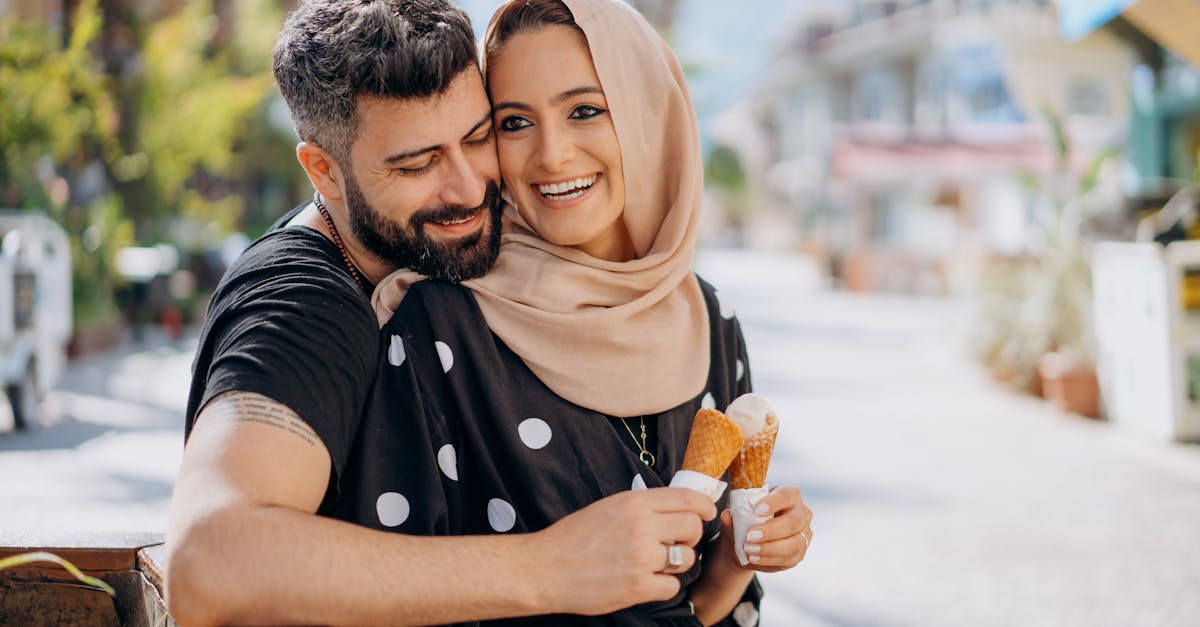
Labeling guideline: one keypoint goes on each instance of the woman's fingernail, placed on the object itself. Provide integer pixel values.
(751, 548)
(762, 508)
(754, 536)
(753, 559)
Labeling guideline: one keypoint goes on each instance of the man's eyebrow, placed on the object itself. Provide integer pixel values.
(559, 99)
(404, 156)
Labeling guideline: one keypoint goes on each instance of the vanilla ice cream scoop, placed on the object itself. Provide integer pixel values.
(750, 412)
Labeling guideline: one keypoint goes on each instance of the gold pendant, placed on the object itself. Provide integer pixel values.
(647, 458)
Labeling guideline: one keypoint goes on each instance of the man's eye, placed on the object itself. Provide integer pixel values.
(586, 112)
(487, 137)
(417, 169)
(513, 123)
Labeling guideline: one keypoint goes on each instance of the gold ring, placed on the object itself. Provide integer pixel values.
(806, 541)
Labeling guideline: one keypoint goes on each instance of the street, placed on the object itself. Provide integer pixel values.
(939, 498)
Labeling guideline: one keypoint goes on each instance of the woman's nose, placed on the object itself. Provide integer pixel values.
(557, 148)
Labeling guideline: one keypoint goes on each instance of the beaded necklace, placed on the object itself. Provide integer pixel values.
(337, 241)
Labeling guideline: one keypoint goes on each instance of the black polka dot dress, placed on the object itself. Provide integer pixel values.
(462, 439)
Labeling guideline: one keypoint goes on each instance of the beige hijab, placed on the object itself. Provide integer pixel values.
(622, 338)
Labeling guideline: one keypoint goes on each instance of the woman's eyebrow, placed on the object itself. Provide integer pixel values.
(559, 99)
(578, 91)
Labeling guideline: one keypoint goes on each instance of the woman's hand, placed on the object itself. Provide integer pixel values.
(781, 542)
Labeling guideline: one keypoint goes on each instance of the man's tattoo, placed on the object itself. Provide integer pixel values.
(256, 408)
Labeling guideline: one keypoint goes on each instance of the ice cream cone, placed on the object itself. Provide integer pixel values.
(714, 442)
(749, 468)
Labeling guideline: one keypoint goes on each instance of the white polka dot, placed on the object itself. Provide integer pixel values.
(638, 483)
(726, 310)
(444, 354)
(501, 516)
(535, 433)
(448, 461)
(745, 614)
(392, 508)
(396, 354)
(709, 402)
(741, 370)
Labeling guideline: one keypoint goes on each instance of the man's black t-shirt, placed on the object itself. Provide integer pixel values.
(287, 321)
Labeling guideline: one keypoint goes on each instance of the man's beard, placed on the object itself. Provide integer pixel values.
(407, 246)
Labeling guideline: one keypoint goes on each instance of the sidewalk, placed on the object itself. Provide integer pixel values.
(941, 499)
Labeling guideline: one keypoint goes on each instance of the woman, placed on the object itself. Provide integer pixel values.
(602, 343)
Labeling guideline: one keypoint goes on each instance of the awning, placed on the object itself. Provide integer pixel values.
(1173, 24)
(1077, 18)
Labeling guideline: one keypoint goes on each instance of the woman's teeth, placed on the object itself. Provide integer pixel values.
(568, 189)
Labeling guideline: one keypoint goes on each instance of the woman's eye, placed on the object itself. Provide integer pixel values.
(586, 112)
(513, 123)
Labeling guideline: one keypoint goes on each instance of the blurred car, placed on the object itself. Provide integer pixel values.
(35, 310)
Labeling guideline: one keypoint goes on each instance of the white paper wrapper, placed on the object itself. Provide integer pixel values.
(699, 482)
(741, 505)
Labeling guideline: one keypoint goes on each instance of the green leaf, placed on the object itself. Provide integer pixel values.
(43, 556)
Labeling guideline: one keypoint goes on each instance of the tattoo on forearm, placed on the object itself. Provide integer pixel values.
(256, 408)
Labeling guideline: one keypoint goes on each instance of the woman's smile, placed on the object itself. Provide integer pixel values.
(559, 195)
(558, 148)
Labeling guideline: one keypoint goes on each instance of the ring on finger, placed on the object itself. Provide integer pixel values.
(674, 557)
(806, 540)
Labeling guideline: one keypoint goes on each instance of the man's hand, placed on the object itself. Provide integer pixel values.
(612, 554)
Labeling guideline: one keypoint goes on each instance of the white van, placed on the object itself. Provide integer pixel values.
(35, 310)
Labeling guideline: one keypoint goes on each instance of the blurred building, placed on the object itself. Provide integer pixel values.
(902, 138)
(1164, 138)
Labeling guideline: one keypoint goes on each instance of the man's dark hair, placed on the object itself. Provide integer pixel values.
(331, 52)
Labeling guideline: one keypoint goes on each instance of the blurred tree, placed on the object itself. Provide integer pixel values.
(57, 126)
(135, 126)
(724, 173)
(195, 94)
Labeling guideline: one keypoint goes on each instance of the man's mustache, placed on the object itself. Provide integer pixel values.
(450, 213)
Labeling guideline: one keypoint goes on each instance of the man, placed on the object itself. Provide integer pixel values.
(267, 523)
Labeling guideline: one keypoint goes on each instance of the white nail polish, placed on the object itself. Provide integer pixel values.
(753, 559)
(754, 536)
(751, 548)
(761, 509)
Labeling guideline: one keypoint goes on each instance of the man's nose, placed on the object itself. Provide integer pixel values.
(464, 186)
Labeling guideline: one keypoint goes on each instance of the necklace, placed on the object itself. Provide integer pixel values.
(645, 455)
(337, 241)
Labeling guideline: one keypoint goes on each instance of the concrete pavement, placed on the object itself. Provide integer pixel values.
(940, 499)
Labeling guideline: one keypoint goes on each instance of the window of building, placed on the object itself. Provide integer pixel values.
(1087, 96)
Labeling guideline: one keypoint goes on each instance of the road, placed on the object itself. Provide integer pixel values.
(939, 498)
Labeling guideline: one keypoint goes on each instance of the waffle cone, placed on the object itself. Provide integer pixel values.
(715, 440)
(749, 468)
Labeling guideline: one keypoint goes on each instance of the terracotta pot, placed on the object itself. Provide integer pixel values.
(1071, 385)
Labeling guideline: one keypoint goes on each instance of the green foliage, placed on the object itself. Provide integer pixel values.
(723, 171)
(196, 105)
(176, 132)
(59, 114)
(57, 105)
(1041, 303)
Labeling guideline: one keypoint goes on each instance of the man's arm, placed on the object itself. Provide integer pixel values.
(245, 546)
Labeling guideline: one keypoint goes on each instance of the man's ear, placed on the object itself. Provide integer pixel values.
(322, 170)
